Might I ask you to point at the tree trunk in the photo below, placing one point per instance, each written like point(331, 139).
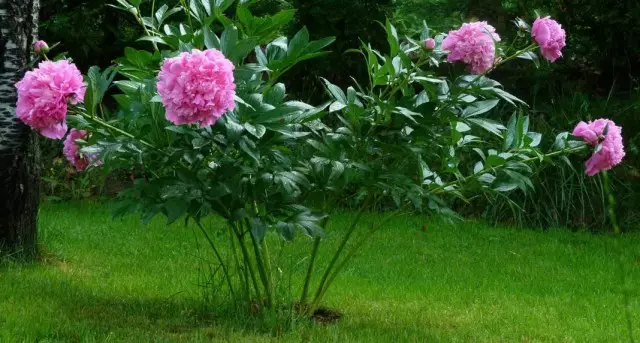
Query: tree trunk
point(19, 152)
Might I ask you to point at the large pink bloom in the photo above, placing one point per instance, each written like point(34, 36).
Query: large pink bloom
point(197, 87)
point(612, 149)
point(550, 36)
point(72, 151)
point(473, 44)
point(43, 95)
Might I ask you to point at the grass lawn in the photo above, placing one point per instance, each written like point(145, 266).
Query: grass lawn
point(121, 281)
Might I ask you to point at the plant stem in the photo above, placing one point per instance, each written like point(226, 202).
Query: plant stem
point(336, 256)
point(144, 27)
point(187, 12)
point(122, 132)
point(531, 159)
point(262, 270)
point(245, 275)
point(219, 257)
point(267, 264)
point(307, 279)
point(356, 247)
point(247, 260)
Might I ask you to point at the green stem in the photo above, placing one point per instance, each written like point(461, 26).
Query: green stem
point(531, 159)
point(122, 132)
point(144, 28)
point(616, 229)
point(247, 261)
point(356, 247)
point(187, 12)
point(219, 257)
point(245, 275)
point(336, 256)
point(274, 78)
point(267, 264)
point(307, 279)
point(262, 270)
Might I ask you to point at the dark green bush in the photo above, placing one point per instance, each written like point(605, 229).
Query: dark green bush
point(351, 22)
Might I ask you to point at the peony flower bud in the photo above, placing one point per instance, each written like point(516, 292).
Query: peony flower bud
point(41, 47)
point(429, 43)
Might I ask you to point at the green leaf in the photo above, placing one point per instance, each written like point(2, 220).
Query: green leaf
point(258, 131)
point(511, 138)
point(258, 228)
point(298, 42)
point(160, 14)
point(494, 161)
point(408, 113)
point(534, 139)
point(175, 208)
point(250, 150)
point(422, 98)
point(211, 40)
point(505, 187)
point(392, 38)
point(491, 126)
point(128, 87)
point(336, 92)
point(286, 230)
point(153, 39)
point(276, 94)
point(461, 127)
point(479, 107)
point(228, 41)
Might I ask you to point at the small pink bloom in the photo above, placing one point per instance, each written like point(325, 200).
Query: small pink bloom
point(40, 47)
point(611, 151)
point(72, 151)
point(43, 95)
point(550, 37)
point(430, 43)
point(197, 87)
point(473, 44)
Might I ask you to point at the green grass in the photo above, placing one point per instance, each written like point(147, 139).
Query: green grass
point(121, 281)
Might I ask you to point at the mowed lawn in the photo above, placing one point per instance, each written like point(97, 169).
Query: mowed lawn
point(121, 281)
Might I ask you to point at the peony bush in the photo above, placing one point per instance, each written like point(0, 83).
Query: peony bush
point(206, 123)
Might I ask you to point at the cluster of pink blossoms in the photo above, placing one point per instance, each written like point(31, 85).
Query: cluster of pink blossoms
point(43, 96)
point(197, 87)
point(71, 151)
point(611, 149)
point(473, 44)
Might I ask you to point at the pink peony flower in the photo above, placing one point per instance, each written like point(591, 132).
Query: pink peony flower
point(72, 151)
point(197, 87)
point(550, 36)
point(429, 43)
point(473, 44)
point(612, 149)
point(43, 95)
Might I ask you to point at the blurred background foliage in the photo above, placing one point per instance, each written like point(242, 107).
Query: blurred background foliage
point(597, 77)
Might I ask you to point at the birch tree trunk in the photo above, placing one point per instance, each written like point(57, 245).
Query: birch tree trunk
point(19, 152)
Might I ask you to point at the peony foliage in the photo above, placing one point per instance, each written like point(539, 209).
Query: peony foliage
point(206, 123)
